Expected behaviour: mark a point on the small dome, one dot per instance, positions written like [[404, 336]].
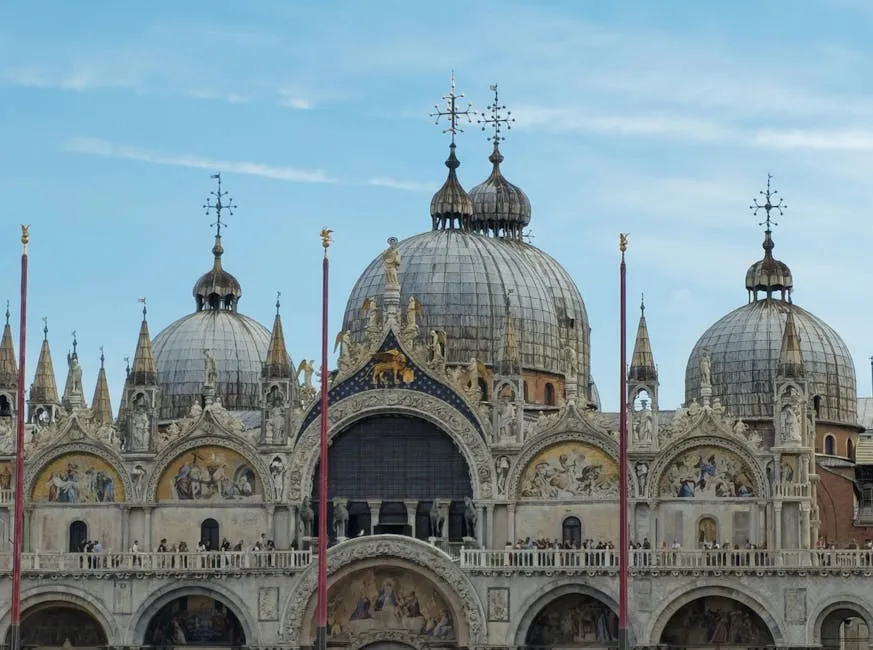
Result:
[[499, 207], [237, 343], [769, 275], [217, 289], [451, 203]]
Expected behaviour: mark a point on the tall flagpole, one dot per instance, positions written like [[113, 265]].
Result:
[[18, 539], [623, 541], [321, 607]]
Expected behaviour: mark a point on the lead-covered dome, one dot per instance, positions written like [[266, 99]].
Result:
[[499, 207]]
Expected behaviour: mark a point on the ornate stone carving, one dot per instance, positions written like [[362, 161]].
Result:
[[707, 420], [34, 466], [396, 401], [7, 437], [268, 604], [502, 466], [277, 473], [498, 605], [435, 564]]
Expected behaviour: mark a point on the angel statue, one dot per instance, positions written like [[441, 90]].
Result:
[[437, 345], [391, 264], [370, 310], [413, 309], [343, 343], [307, 369]]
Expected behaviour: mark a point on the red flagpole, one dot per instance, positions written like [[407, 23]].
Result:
[[18, 538], [321, 607], [623, 541]]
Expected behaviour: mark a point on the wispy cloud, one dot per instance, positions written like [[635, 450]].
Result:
[[230, 98], [74, 80], [97, 147], [295, 100], [393, 183]]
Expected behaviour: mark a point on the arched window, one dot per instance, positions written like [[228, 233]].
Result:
[[850, 450], [571, 532], [5, 406], [829, 445], [209, 534], [816, 405], [526, 399], [78, 536], [550, 394], [707, 530]]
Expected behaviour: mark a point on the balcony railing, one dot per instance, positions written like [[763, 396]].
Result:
[[7, 496], [522, 560], [210, 562], [791, 490]]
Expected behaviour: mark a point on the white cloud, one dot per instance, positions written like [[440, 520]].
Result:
[[97, 147], [393, 183], [837, 140], [231, 98]]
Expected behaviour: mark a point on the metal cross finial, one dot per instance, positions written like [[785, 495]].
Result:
[[643, 303], [102, 358], [144, 308], [7, 312], [75, 342], [768, 205], [453, 112], [278, 296], [528, 235], [45, 327], [219, 205], [497, 118]]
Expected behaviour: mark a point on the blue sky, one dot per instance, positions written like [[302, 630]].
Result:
[[661, 119]]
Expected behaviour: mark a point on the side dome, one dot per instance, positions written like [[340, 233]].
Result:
[[461, 279], [499, 207], [237, 343]]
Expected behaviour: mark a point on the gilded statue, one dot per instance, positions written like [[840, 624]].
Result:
[[391, 264]]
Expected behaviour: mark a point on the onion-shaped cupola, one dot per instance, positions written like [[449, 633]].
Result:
[[217, 289], [768, 275], [500, 208]]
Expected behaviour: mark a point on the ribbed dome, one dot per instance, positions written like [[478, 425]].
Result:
[[769, 275], [236, 342], [461, 280], [217, 289], [744, 352], [499, 207]]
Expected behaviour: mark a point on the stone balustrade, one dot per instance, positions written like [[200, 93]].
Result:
[[197, 562], [7, 496], [791, 490]]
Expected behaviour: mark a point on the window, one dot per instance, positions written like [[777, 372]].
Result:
[[5, 406], [707, 530], [816, 405], [829, 445], [850, 450], [78, 536], [209, 534], [571, 532], [526, 399], [550, 395]]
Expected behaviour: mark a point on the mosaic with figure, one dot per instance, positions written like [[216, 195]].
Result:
[[78, 478], [715, 620], [392, 368], [210, 474], [706, 473], [7, 472], [195, 620], [388, 599], [570, 469], [574, 619], [60, 627]]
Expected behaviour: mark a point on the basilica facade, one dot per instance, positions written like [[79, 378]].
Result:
[[473, 480]]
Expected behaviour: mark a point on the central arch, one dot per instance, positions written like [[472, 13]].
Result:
[[60, 624]]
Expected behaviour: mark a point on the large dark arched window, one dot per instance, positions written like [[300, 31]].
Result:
[[78, 536], [829, 445], [571, 532], [550, 394], [209, 534]]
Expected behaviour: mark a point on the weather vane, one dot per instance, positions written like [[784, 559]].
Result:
[[75, 341], [768, 206], [45, 327], [219, 205], [453, 112], [498, 117]]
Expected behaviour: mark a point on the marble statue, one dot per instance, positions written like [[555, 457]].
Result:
[[391, 264], [340, 518], [501, 469], [790, 425], [644, 427], [507, 421], [571, 361], [305, 518], [437, 519], [642, 471], [140, 425], [413, 311], [276, 424], [136, 476], [437, 345], [7, 439], [471, 518], [705, 369], [307, 368], [277, 473], [75, 373], [211, 375]]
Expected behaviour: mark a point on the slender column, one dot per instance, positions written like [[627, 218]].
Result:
[[271, 512], [375, 512], [489, 526], [147, 536], [510, 523], [28, 530], [294, 512], [805, 529], [777, 525], [623, 638], [125, 528]]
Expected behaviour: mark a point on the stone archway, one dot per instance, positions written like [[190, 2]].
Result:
[[195, 620], [59, 624], [843, 624], [717, 622], [574, 618]]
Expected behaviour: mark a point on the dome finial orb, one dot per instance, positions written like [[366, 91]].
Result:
[[769, 275], [217, 289]]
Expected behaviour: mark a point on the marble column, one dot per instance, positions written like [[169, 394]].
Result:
[[293, 514], [510, 523], [147, 537], [805, 530], [777, 525], [125, 528], [488, 542], [271, 513], [375, 508], [27, 532]]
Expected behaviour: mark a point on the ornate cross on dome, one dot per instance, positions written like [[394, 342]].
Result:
[[497, 118], [768, 205], [45, 327], [75, 341], [453, 112], [218, 205]]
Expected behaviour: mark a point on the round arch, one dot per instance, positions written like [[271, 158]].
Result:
[[34, 469], [392, 401], [401, 553], [680, 597], [69, 597], [553, 592], [608, 446], [171, 453], [837, 606], [669, 455], [151, 607]]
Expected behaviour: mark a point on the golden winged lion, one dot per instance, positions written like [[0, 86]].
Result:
[[390, 369]]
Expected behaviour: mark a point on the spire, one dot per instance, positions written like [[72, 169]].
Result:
[[642, 367], [217, 289], [101, 406], [451, 203], [278, 364], [499, 207], [44, 389], [769, 274], [510, 359], [790, 355], [8, 365], [144, 372]]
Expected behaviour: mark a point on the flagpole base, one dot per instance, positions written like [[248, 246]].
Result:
[[320, 639], [15, 637], [623, 640]]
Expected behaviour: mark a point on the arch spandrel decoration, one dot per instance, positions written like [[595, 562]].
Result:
[[434, 564], [77, 473], [549, 449], [707, 467], [395, 402], [169, 458], [377, 376]]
